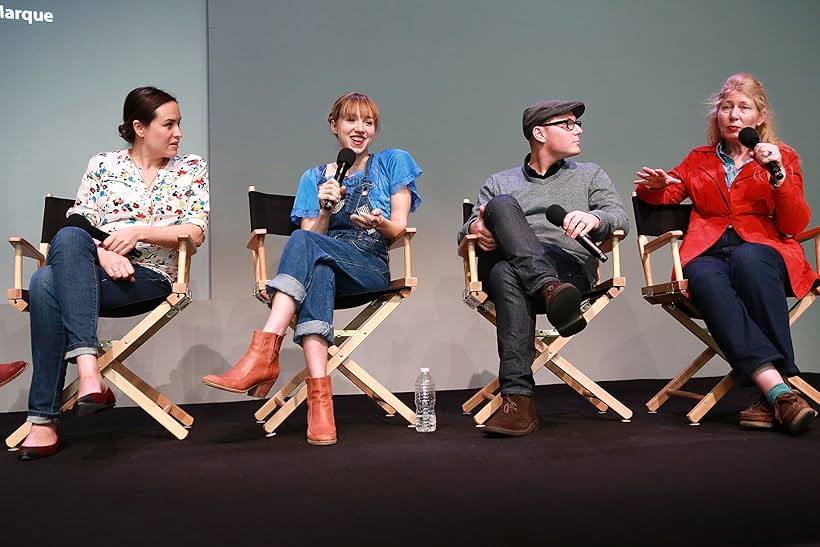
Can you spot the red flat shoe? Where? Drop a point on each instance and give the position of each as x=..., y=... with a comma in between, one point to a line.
x=95, y=402
x=29, y=453
x=10, y=371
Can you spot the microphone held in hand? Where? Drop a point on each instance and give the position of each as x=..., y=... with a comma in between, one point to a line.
x=556, y=214
x=344, y=161
x=79, y=221
x=749, y=138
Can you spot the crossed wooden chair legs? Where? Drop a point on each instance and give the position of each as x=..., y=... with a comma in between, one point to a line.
x=162, y=409
x=294, y=392
x=548, y=345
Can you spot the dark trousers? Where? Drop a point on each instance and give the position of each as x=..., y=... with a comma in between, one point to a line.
x=740, y=289
x=512, y=276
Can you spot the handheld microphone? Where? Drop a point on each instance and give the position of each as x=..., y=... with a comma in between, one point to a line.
x=79, y=221
x=556, y=214
x=749, y=138
x=344, y=160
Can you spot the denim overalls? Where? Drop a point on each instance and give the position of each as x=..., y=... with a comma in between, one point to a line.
x=315, y=268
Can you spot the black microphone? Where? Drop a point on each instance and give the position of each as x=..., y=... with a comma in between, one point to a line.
x=556, y=214
x=344, y=160
x=749, y=138
x=79, y=221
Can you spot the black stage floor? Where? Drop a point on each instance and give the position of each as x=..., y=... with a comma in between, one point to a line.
x=582, y=479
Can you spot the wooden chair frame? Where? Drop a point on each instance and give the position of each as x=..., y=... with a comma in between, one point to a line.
x=548, y=343
x=673, y=297
x=157, y=405
x=294, y=392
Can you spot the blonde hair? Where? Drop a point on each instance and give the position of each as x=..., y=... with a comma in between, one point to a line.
x=751, y=87
x=354, y=103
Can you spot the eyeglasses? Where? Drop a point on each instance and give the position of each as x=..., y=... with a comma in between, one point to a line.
x=569, y=124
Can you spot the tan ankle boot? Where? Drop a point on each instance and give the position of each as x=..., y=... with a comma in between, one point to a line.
x=321, y=424
x=256, y=371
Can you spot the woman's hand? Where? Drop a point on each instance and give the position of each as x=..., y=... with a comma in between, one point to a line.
x=366, y=221
x=116, y=266
x=579, y=223
x=330, y=191
x=655, y=178
x=766, y=152
x=123, y=241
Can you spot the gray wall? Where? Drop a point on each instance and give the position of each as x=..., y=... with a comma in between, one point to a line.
x=452, y=79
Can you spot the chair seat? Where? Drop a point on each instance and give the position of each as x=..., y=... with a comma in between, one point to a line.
x=347, y=301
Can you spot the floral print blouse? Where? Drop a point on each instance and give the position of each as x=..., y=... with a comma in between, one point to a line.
x=112, y=196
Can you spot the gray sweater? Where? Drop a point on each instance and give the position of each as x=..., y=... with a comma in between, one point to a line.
x=575, y=187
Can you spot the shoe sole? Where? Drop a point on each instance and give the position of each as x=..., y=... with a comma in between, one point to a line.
x=321, y=443
x=490, y=431
x=564, y=312
x=252, y=392
x=755, y=424
x=87, y=409
x=802, y=422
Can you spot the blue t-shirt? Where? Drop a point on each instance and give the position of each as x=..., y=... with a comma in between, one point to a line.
x=390, y=171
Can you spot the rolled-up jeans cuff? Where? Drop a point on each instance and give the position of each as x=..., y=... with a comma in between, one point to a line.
x=72, y=354
x=323, y=329
x=42, y=419
x=288, y=285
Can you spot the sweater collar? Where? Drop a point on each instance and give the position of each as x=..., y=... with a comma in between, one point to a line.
x=530, y=172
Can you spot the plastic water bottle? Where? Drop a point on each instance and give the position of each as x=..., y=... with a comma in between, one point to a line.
x=425, y=402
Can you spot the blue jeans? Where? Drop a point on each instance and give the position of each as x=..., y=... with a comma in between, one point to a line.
x=314, y=268
x=740, y=289
x=512, y=276
x=66, y=297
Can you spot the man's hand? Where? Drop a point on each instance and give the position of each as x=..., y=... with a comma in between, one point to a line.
x=123, y=241
x=486, y=241
x=115, y=265
x=579, y=223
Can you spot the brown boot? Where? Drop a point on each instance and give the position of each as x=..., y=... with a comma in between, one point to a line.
x=563, y=303
x=256, y=371
x=759, y=415
x=793, y=413
x=515, y=418
x=321, y=427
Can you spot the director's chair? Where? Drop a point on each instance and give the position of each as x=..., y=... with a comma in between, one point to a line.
x=662, y=225
x=157, y=405
x=270, y=214
x=548, y=343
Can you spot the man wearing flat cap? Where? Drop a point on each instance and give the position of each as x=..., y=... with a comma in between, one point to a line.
x=528, y=265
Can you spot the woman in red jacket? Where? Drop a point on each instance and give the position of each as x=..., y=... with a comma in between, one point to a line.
x=737, y=254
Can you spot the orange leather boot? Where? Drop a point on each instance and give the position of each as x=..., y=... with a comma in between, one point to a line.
x=321, y=424
x=256, y=371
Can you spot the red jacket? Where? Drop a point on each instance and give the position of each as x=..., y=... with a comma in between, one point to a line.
x=757, y=212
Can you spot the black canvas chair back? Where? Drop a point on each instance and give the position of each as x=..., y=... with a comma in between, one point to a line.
x=54, y=216
x=271, y=212
x=654, y=220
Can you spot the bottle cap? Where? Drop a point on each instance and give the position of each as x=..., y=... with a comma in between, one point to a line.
x=423, y=369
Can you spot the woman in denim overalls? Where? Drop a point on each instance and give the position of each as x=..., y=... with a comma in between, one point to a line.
x=340, y=249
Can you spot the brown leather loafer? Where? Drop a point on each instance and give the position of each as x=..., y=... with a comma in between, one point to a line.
x=515, y=418
x=30, y=453
x=759, y=415
x=10, y=371
x=95, y=402
x=563, y=303
x=793, y=413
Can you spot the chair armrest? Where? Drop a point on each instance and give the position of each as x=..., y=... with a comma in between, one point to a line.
x=662, y=240
x=609, y=243
x=813, y=233
x=186, y=250
x=403, y=240
x=26, y=249
x=257, y=239
x=466, y=250
x=612, y=245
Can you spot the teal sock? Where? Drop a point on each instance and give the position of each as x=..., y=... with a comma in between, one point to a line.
x=777, y=391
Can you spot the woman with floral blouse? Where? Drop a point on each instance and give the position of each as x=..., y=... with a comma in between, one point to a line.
x=144, y=197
